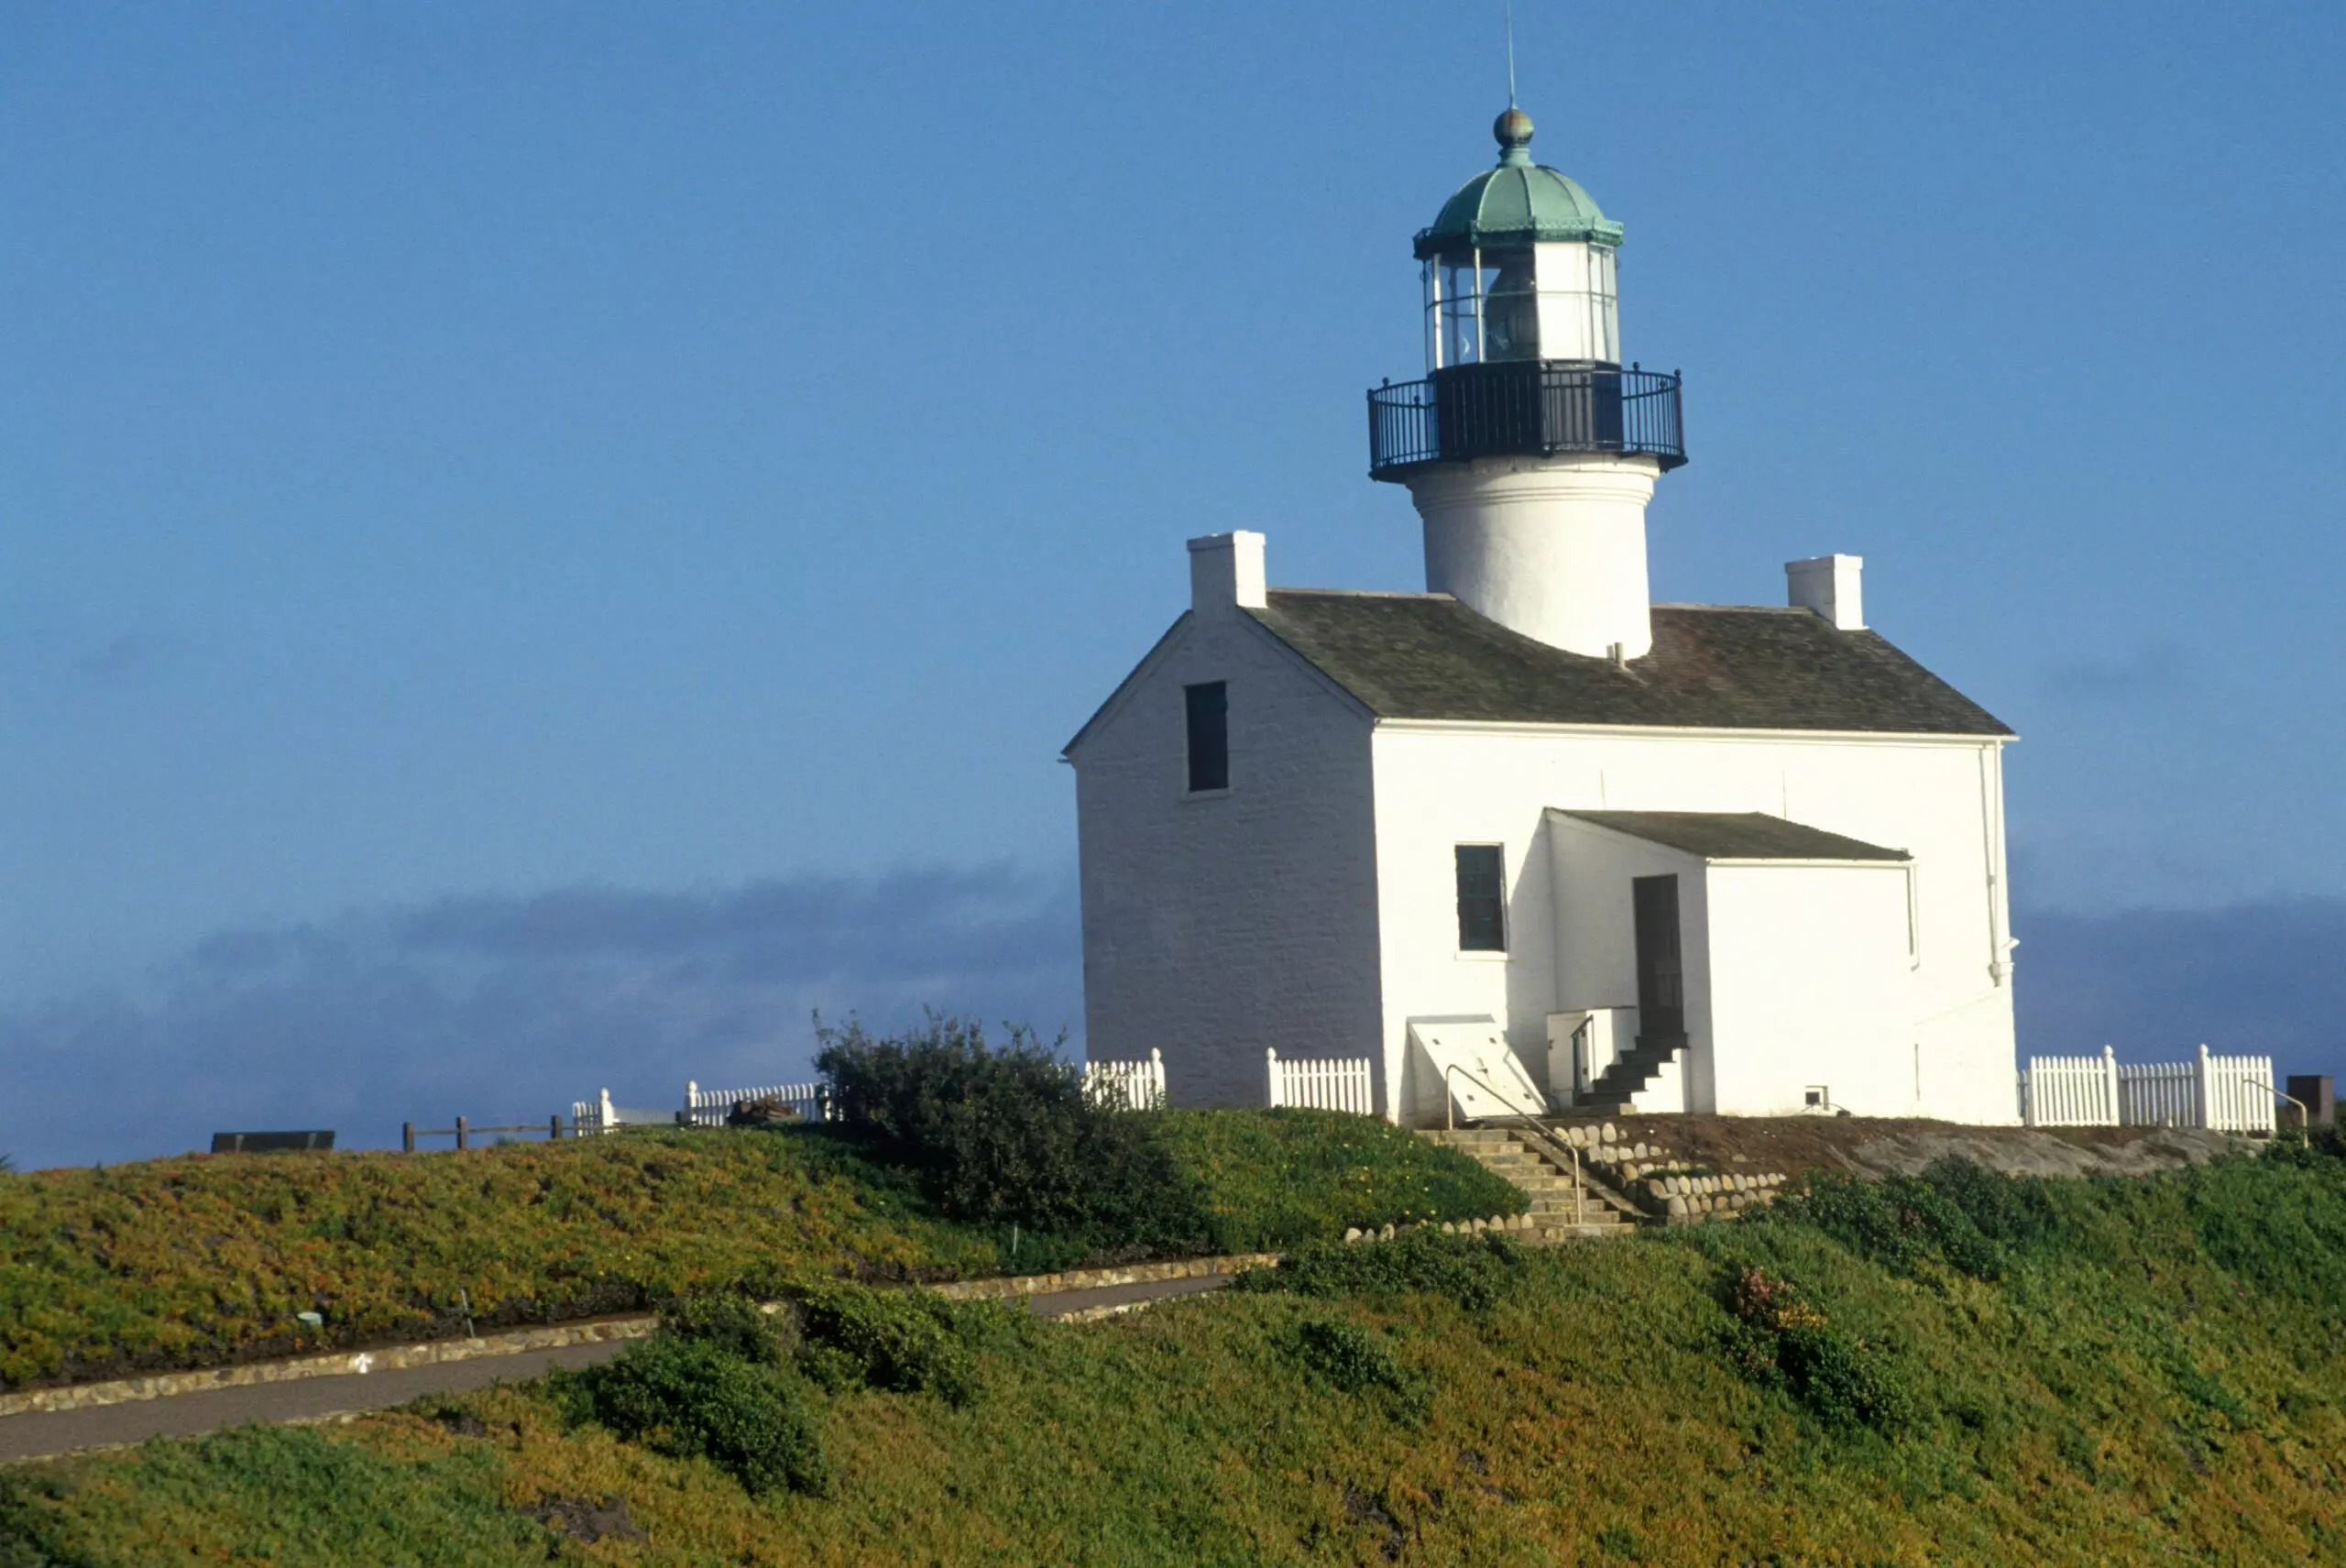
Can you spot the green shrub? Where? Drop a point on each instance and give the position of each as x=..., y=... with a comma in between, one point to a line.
x=2017, y=1212
x=1475, y=1271
x=32, y=1534
x=1781, y=1339
x=731, y=1322
x=1899, y=1221
x=902, y=1342
x=1349, y=1357
x=698, y=1398
x=1004, y=1134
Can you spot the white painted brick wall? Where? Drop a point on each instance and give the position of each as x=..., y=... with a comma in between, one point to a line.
x=1217, y=926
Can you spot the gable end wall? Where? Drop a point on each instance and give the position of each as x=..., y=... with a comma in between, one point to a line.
x=1217, y=926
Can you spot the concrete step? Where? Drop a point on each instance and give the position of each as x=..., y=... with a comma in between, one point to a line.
x=1553, y=1234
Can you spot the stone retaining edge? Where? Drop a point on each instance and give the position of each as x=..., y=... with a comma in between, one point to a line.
x=593, y=1331
x=1096, y=1278
x=340, y=1363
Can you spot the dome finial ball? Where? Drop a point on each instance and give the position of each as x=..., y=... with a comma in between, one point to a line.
x=1513, y=128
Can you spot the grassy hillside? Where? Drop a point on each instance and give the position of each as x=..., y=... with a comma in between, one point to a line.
x=206, y=1259
x=1966, y=1368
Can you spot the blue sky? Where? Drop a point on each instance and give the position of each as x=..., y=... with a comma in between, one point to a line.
x=499, y=456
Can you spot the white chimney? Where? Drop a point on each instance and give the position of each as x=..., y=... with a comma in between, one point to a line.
x=1226, y=573
x=1829, y=585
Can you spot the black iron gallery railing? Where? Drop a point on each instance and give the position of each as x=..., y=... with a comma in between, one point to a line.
x=1532, y=408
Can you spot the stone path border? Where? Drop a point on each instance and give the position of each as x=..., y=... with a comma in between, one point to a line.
x=592, y=1331
x=1095, y=1278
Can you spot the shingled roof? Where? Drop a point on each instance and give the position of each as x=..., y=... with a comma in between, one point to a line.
x=1712, y=667
x=1737, y=836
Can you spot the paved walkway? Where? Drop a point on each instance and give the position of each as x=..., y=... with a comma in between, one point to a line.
x=49, y=1432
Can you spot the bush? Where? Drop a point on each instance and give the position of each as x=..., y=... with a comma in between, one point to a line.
x=902, y=1341
x=1005, y=1136
x=1901, y=1219
x=31, y=1534
x=1781, y=1340
x=731, y=1322
x=1473, y=1271
x=1347, y=1357
x=698, y=1397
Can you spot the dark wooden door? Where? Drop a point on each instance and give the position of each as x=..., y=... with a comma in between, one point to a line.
x=1662, y=977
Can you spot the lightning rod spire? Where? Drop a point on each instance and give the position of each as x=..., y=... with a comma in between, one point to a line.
x=1510, y=53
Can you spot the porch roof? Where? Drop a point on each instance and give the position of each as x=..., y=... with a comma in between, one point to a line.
x=1737, y=836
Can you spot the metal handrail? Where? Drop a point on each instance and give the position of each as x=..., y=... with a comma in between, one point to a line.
x=1450, y=1115
x=2305, y=1112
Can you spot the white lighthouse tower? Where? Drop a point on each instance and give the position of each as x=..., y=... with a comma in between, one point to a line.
x=1530, y=451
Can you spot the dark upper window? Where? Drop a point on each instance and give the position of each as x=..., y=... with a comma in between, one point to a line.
x=1209, y=706
x=1482, y=900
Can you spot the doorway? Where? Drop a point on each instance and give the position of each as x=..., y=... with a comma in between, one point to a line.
x=1662, y=977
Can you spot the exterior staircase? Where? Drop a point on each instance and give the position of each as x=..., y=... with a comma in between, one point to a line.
x=1546, y=1178
x=1627, y=1076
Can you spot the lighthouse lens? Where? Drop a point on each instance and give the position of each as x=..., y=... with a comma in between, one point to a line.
x=1510, y=305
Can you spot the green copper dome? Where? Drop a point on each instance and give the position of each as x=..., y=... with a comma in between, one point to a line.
x=1516, y=204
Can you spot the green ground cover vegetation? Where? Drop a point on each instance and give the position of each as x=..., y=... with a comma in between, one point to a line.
x=957, y=1160
x=1957, y=1368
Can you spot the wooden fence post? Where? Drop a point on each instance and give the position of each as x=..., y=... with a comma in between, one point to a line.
x=460, y=1133
x=407, y=1137
x=1271, y=1066
x=553, y=1126
x=2110, y=1075
x=2205, y=1087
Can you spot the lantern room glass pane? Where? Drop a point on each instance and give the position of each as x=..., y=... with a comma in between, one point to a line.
x=1510, y=305
x=1459, y=322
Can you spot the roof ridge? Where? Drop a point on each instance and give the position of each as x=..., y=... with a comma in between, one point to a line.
x=1368, y=594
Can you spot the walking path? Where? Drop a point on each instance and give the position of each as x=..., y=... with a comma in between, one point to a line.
x=40, y=1434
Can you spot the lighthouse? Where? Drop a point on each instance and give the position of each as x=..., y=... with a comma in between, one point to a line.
x=1528, y=843
x=1529, y=450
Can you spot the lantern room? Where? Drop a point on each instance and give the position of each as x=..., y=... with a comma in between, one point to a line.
x=1520, y=265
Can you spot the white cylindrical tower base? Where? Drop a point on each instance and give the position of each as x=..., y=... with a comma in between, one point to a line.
x=1552, y=547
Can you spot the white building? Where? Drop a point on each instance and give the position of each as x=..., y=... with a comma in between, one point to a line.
x=1674, y=857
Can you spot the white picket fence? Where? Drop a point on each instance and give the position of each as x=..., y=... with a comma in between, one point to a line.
x=2232, y=1094
x=709, y=1107
x=1322, y=1083
x=589, y=1117
x=1141, y=1084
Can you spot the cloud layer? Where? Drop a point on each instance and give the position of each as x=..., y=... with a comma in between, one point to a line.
x=506, y=1009
x=2261, y=979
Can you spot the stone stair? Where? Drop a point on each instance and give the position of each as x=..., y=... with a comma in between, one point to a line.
x=1627, y=1183
x=1547, y=1183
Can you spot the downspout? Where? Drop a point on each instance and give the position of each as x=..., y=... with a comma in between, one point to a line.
x=1991, y=828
